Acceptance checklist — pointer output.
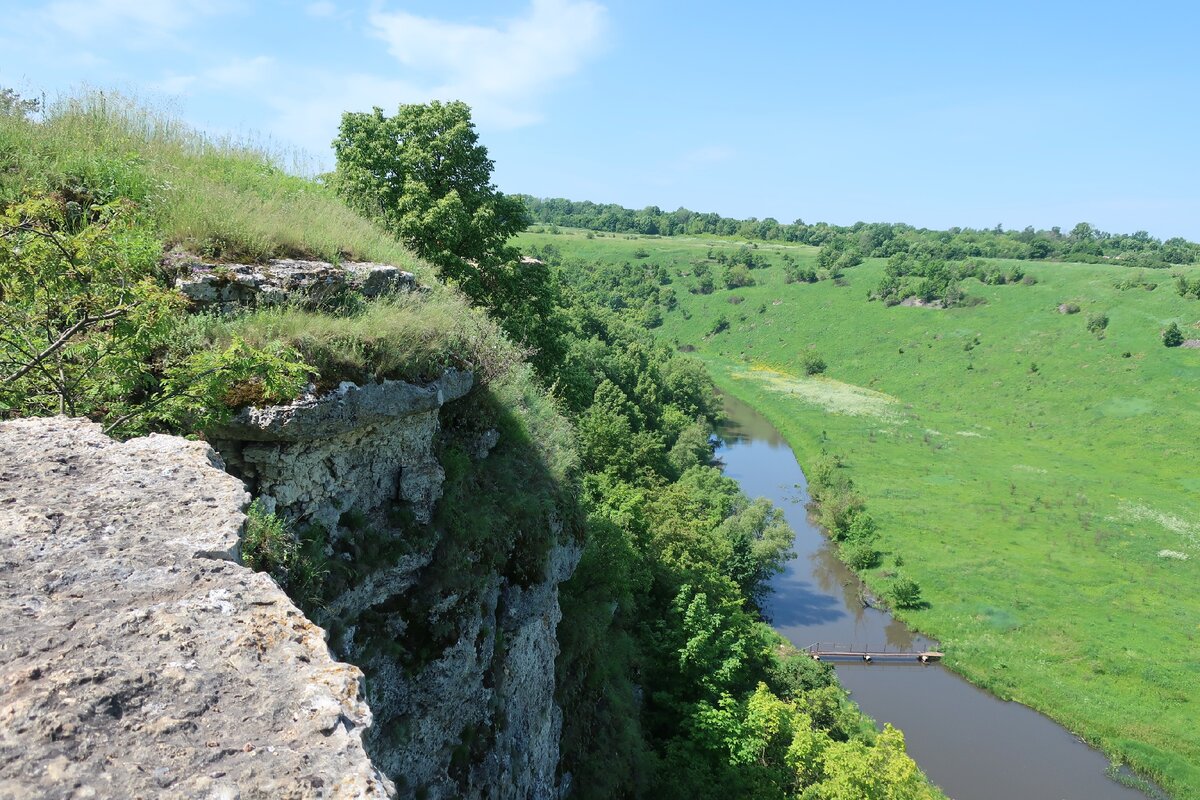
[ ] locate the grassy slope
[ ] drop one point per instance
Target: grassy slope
(1030, 505)
(222, 198)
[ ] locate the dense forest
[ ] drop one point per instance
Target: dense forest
(1082, 243)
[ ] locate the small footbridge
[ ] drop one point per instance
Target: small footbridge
(824, 651)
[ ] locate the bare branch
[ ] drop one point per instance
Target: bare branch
(63, 339)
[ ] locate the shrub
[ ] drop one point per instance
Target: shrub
(862, 527)
(859, 554)
(737, 276)
(1172, 336)
(813, 363)
(90, 330)
(268, 544)
(1097, 322)
(904, 592)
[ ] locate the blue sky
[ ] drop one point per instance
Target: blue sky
(937, 114)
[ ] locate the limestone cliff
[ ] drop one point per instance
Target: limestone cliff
(142, 660)
(459, 652)
(138, 658)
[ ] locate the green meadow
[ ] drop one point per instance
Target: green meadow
(1038, 480)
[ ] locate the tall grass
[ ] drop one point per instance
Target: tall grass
(408, 337)
(218, 197)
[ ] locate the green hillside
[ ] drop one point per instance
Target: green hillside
(670, 683)
(1035, 477)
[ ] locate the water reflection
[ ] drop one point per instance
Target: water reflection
(970, 743)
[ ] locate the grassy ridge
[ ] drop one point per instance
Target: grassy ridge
(1033, 478)
(222, 198)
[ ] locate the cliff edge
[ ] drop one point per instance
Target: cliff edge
(138, 658)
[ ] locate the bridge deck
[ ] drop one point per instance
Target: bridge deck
(818, 652)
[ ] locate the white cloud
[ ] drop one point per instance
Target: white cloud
(132, 20)
(248, 74)
(310, 111)
(500, 71)
(241, 72)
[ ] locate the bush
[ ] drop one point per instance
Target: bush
(268, 544)
(737, 276)
(813, 363)
(904, 592)
(1097, 322)
(859, 554)
(90, 329)
(1172, 336)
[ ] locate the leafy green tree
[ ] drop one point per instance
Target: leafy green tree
(13, 105)
(737, 276)
(1172, 336)
(426, 178)
(423, 174)
(81, 310)
(1097, 322)
(859, 554)
(813, 363)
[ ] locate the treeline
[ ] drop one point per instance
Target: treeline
(672, 685)
(937, 281)
(877, 239)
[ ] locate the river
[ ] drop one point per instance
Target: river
(970, 743)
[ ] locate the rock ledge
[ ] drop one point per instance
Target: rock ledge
(138, 658)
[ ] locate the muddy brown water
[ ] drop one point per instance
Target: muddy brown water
(970, 743)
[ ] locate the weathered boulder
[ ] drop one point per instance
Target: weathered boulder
(226, 287)
(138, 658)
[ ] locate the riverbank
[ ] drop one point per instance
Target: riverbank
(1037, 479)
(966, 740)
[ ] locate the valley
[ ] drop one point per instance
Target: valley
(1030, 475)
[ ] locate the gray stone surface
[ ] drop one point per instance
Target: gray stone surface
(347, 408)
(225, 287)
(370, 450)
(497, 686)
(357, 448)
(137, 659)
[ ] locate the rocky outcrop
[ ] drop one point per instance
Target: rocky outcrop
(139, 659)
(480, 720)
(227, 287)
(459, 656)
(356, 449)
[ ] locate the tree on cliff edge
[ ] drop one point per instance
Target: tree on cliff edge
(423, 174)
